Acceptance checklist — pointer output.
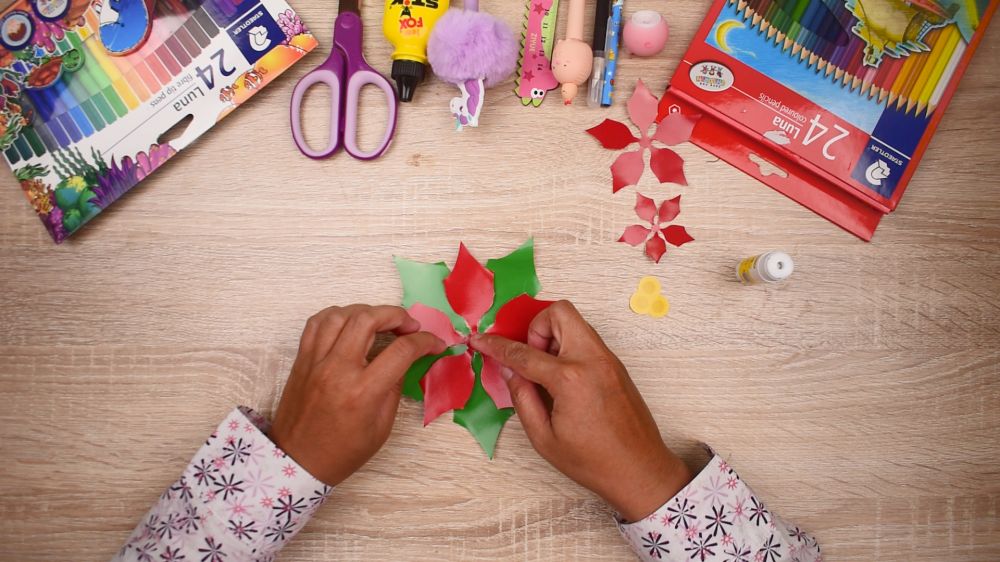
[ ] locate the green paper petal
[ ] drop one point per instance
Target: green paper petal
(424, 283)
(419, 368)
(480, 415)
(513, 276)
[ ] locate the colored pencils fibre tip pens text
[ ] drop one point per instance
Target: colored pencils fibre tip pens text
(601, 21)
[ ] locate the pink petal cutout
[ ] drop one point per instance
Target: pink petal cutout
(667, 166)
(675, 128)
(677, 235)
(669, 210)
(626, 170)
(436, 322)
(642, 108)
(494, 384)
(655, 248)
(635, 235)
(612, 134)
(645, 208)
(469, 287)
(447, 385)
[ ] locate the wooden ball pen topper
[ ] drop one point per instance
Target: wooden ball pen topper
(572, 57)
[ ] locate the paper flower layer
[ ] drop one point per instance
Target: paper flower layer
(666, 164)
(656, 235)
(647, 299)
(454, 305)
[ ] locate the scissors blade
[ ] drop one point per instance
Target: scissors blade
(353, 6)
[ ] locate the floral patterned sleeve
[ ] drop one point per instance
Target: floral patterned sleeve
(240, 498)
(717, 517)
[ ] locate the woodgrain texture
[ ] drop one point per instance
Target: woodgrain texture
(861, 399)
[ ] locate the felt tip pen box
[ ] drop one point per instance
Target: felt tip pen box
(841, 96)
(80, 126)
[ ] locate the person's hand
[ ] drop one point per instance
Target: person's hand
(598, 431)
(337, 408)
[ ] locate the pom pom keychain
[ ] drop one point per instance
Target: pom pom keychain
(474, 51)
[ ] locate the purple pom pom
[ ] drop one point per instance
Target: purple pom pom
(467, 45)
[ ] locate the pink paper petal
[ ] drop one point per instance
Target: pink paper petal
(645, 208)
(635, 235)
(669, 210)
(642, 108)
(675, 128)
(626, 170)
(494, 384)
(677, 235)
(655, 248)
(469, 287)
(667, 166)
(612, 134)
(436, 322)
(447, 385)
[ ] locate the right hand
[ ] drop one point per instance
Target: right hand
(598, 430)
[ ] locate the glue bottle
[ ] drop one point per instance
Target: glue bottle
(769, 267)
(407, 25)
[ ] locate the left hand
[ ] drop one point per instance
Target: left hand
(337, 409)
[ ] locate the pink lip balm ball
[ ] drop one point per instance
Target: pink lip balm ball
(645, 33)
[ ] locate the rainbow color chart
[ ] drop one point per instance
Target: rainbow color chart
(79, 126)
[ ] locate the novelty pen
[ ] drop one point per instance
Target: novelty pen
(601, 21)
(611, 52)
(571, 57)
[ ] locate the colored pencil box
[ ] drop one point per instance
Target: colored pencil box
(831, 102)
(79, 127)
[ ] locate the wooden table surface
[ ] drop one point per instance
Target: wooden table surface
(861, 399)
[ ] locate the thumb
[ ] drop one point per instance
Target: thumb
(530, 408)
(388, 368)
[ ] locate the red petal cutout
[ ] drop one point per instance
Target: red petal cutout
(669, 210)
(514, 317)
(469, 287)
(436, 322)
(655, 248)
(667, 166)
(635, 235)
(645, 208)
(612, 134)
(642, 108)
(494, 384)
(447, 385)
(675, 128)
(677, 235)
(626, 170)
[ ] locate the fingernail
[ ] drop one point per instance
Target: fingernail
(506, 373)
(475, 339)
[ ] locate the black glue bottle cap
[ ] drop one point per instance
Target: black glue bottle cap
(407, 74)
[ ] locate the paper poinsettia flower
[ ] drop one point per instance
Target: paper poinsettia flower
(666, 164)
(656, 235)
(454, 305)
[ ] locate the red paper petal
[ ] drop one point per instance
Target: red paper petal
(675, 128)
(635, 235)
(626, 170)
(669, 210)
(645, 208)
(436, 322)
(514, 317)
(612, 134)
(494, 384)
(677, 235)
(667, 165)
(655, 248)
(642, 108)
(469, 287)
(447, 385)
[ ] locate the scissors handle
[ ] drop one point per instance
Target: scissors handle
(331, 78)
(360, 77)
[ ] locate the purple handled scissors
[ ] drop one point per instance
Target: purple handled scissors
(345, 72)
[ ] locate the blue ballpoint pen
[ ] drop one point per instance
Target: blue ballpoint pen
(611, 52)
